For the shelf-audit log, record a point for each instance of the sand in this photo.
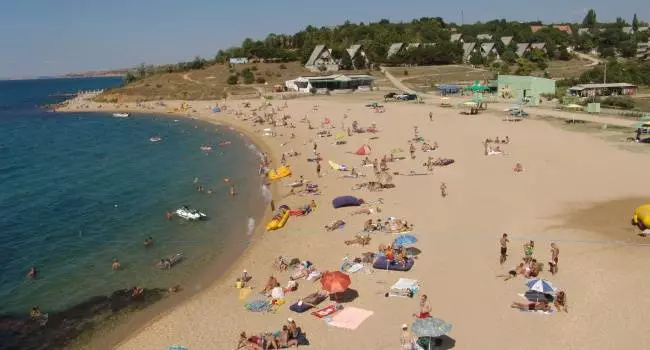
(577, 190)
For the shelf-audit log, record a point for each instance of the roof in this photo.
(487, 47)
(628, 30)
(581, 87)
(337, 77)
(468, 48)
(394, 48)
(484, 37)
(521, 48)
(413, 46)
(314, 55)
(582, 31)
(539, 46)
(455, 37)
(428, 44)
(563, 28)
(506, 40)
(353, 49)
(535, 28)
(642, 29)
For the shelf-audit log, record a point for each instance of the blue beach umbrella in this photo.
(540, 285)
(404, 240)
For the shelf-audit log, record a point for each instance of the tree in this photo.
(524, 67)
(627, 48)
(232, 80)
(129, 78)
(590, 19)
(359, 61)
(509, 56)
(346, 62)
(563, 54)
(635, 23)
(476, 58)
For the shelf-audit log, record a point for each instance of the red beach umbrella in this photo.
(335, 282)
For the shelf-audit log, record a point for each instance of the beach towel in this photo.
(404, 288)
(349, 318)
(326, 311)
(244, 293)
(351, 268)
(258, 306)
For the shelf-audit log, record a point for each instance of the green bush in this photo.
(232, 80)
(406, 72)
(624, 102)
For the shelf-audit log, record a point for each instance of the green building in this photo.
(524, 88)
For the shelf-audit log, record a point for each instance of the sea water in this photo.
(78, 190)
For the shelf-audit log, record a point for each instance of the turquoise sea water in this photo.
(79, 189)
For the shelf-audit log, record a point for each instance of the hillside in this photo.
(208, 83)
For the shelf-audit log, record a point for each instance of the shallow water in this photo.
(79, 189)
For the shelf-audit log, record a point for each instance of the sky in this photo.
(50, 37)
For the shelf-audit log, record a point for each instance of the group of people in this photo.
(289, 336)
(397, 254)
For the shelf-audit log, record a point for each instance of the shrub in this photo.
(232, 80)
(406, 72)
(283, 66)
(260, 80)
(624, 102)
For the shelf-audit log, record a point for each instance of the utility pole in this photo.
(605, 74)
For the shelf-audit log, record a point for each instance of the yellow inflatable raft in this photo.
(641, 216)
(279, 219)
(276, 174)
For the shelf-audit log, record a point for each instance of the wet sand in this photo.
(575, 190)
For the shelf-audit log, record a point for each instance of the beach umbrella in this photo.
(540, 285)
(430, 327)
(404, 240)
(335, 282)
(413, 251)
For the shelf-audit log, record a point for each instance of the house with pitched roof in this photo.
(456, 37)
(522, 49)
(321, 59)
(468, 49)
(535, 28)
(628, 30)
(506, 40)
(357, 49)
(538, 46)
(484, 36)
(489, 48)
(564, 28)
(642, 29)
(412, 46)
(643, 51)
(394, 49)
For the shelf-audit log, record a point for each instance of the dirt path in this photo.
(396, 82)
(594, 61)
(186, 76)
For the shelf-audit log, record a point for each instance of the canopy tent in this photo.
(448, 89)
(477, 87)
(363, 150)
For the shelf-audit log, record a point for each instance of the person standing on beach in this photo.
(443, 190)
(555, 252)
(406, 339)
(412, 150)
(504, 248)
(317, 167)
(315, 147)
(430, 116)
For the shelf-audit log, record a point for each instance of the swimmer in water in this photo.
(232, 190)
(32, 273)
(148, 242)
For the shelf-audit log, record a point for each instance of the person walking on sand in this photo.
(315, 147)
(430, 116)
(555, 252)
(318, 168)
(504, 248)
(443, 190)
(412, 150)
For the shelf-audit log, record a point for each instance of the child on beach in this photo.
(443, 190)
(504, 248)
(555, 252)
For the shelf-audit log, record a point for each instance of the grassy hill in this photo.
(209, 83)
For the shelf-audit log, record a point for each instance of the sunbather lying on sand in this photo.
(536, 306)
(362, 240)
(249, 343)
(270, 284)
(335, 225)
(519, 270)
(367, 211)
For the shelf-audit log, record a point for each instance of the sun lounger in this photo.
(326, 311)
(382, 264)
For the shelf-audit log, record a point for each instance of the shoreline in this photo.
(110, 336)
(458, 235)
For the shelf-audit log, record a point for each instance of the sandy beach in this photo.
(577, 190)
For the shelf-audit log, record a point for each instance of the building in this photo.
(468, 49)
(456, 37)
(330, 82)
(535, 28)
(394, 49)
(564, 28)
(489, 48)
(522, 49)
(525, 88)
(321, 59)
(357, 49)
(590, 90)
(506, 40)
(238, 60)
(484, 37)
(538, 46)
(643, 51)
(628, 30)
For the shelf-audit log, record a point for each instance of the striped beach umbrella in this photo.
(540, 285)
